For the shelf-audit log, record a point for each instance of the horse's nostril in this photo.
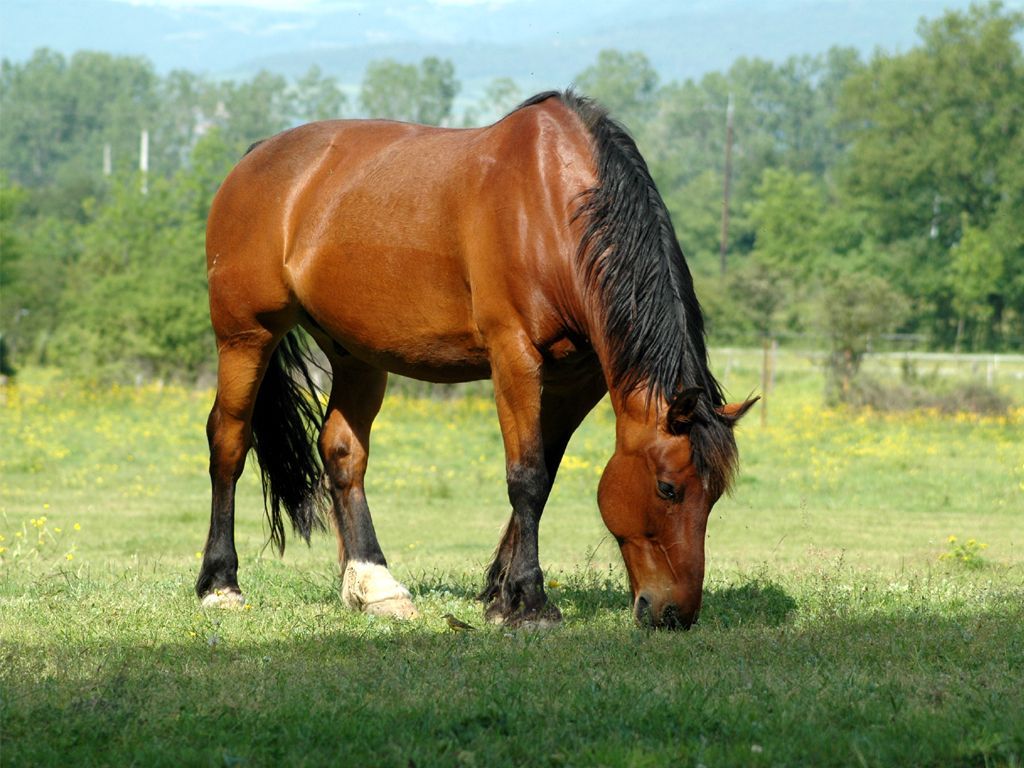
(642, 611)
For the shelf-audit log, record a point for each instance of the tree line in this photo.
(866, 196)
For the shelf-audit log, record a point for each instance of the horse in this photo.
(537, 252)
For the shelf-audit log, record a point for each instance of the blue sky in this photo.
(543, 43)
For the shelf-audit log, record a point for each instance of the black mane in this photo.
(633, 265)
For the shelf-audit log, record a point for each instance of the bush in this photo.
(970, 397)
(855, 308)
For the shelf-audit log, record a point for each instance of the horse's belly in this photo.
(415, 321)
(435, 361)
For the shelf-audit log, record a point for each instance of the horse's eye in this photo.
(666, 491)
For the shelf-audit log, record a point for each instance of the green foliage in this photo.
(783, 116)
(318, 97)
(932, 134)
(786, 217)
(855, 308)
(977, 275)
(423, 94)
(904, 169)
(12, 198)
(257, 108)
(501, 96)
(626, 83)
(58, 113)
(136, 294)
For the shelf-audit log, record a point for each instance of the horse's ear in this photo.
(733, 412)
(681, 409)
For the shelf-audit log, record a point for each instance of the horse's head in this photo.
(671, 464)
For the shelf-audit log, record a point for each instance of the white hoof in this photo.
(396, 608)
(223, 598)
(371, 588)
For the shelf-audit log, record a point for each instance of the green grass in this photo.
(833, 632)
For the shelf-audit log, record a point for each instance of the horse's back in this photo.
(393, 238)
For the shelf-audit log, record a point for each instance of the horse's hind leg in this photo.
(356, 395)
(240, 368)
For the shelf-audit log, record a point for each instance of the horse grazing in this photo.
(536, 251)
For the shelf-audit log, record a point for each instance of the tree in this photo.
(135, 300)
(58, 114)
(404, 92)
(318, 97)
(256, 109)
(33, 133)
(187, 104)
(977, 276)
(625, 83)
(437, 91)
(932, 137)
(390, 90)
(45, 247)
(11, 199)
(786, 215)
(783, 115)
(856, 307)
(500, 97)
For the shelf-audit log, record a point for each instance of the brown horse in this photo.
(536, 251)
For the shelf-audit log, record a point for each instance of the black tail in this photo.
(285, 423)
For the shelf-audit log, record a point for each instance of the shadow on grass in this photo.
(398, 696)
(757, 602)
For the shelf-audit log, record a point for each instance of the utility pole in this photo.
(724, 244)
(144, 160)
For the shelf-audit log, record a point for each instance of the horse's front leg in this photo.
(566, 398)
(514, 593)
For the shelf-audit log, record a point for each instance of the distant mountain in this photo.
(540, 43)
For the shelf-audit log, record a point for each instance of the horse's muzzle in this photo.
(669, 617)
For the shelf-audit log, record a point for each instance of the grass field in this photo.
(841, 626)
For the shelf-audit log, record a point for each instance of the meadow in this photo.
(864, 601)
